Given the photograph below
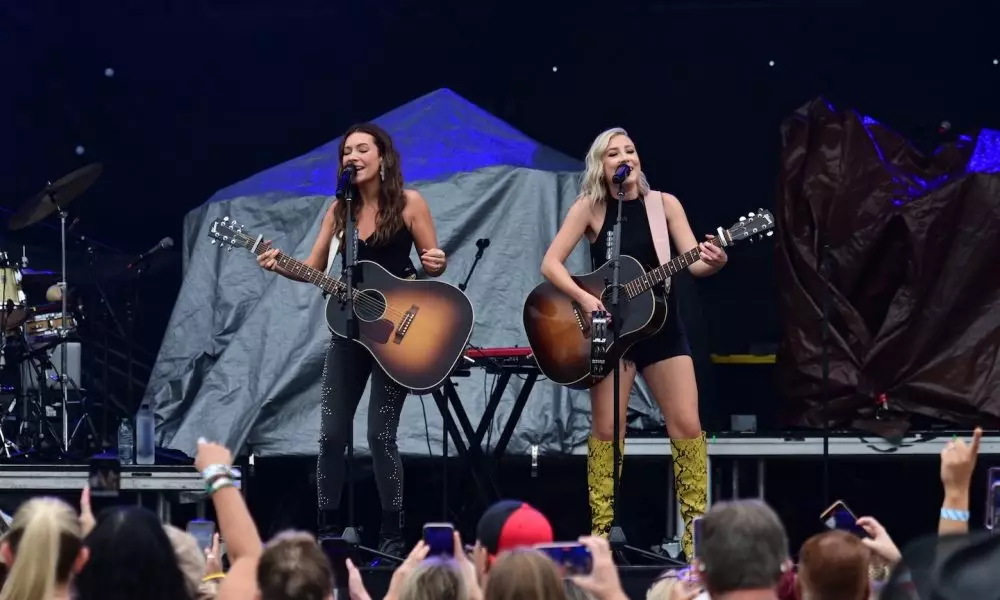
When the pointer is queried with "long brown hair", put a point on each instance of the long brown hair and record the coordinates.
(524, 574)
(391, 200)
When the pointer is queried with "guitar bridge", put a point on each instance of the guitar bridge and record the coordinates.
(598, 343)
(404, 324)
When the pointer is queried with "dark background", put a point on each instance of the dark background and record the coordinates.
(207, 92)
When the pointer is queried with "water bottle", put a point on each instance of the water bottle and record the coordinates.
(126, 443)
(144, 436)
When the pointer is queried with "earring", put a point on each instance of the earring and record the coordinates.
(381, 172)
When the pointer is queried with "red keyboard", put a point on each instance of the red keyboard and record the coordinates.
(512, 352)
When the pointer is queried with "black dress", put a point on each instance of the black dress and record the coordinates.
(637, 242)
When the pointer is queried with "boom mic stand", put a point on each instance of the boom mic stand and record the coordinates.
(617, 535)
(482, 244)
(824, 269)
(351, 534)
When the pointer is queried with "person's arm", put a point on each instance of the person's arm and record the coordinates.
(958, 462)
(713, 257)
(317, 257)
(418, 218)
(554, 269)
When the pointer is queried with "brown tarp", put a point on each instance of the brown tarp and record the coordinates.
(914, 271)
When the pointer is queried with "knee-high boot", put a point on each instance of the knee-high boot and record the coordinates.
(600, 483)
(691, 484)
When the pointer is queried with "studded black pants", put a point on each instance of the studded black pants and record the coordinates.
(345, 374)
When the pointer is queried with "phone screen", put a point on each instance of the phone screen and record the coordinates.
(697, 536)
(202, 531)
(440, 539)
(992, 497)
(838, 516)
(571, 557)
(104, 478)
(337, 551)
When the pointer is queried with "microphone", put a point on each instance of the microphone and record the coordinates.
(621, 173)
(163, 244)
(346, 179)
(483, 243)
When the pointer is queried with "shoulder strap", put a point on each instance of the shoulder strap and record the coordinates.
(658, 225)
(334, 247)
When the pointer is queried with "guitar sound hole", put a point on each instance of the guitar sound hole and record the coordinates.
(622, 300)
(370, 305)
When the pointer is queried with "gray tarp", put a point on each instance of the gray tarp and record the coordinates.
(242, 357)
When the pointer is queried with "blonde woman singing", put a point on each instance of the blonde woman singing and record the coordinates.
(664, 360)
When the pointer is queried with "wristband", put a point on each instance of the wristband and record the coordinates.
(951, 514)
(219, 484)
(213, 472)
(213, 577)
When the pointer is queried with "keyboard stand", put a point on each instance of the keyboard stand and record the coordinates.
(470, 446)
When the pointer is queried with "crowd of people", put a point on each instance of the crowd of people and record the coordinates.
(54, 552)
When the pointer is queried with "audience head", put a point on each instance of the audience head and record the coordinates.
(833, 566)
(190, 558)
(131, 557)
(435, 579)
(524, 574)
(44, 548)
(743, 546)
(294, 567)
(507, 525)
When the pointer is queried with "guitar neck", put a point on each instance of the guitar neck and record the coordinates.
(305, 272)
(663, 272)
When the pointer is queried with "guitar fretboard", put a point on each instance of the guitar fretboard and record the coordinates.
(660, 274)
(302, 270)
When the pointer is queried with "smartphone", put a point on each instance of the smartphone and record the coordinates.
(992, 497)
(337, 551)
(572, 557)
(105, 477)
(202, 531)
(440, 539)
(697, 537)
(838, 516)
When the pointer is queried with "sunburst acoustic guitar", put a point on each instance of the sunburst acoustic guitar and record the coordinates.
(575, 350)
(417, 330)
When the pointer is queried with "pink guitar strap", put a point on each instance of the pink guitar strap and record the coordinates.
(658, 225)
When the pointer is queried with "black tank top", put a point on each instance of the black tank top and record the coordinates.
(393, 254)
(637, 241)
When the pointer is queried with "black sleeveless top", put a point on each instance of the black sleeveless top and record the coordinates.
(637, 240)
(393, 254)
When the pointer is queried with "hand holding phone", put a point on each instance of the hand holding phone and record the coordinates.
(203, 531)
(337, 551)
(440, 539)
(105, 477)
(572, 558)
(838, 516)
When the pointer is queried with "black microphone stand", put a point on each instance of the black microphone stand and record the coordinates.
(616, 538)
(824, 269)
(482, 244)
(351, 533)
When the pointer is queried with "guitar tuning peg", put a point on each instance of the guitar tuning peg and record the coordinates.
(751, 215)
(743, 218)
(224, 219)
(770, 233)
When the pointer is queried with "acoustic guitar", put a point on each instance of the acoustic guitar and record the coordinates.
(576, 350)
(417, 330)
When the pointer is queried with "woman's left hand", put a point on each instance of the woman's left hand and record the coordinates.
(712, 255)
(433, 260)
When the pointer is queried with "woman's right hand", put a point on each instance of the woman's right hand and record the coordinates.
(589, 305)
(268, 260)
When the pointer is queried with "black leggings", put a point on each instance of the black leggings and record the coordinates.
(345, 373)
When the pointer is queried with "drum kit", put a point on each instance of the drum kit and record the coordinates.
(30, 332)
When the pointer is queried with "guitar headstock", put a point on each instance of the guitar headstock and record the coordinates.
(754, 226)
(229, 234)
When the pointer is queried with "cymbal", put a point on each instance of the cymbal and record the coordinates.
(55, 196)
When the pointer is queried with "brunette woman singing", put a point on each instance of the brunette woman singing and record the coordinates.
(664, 360)
(390, 221)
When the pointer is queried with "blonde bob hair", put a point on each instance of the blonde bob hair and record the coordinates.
(594, 186)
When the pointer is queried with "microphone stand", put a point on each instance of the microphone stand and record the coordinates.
(616, 537)
(824, 269)
(351, 533)
(482, 244)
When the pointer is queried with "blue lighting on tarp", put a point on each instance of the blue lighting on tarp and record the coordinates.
(438, 135)
(986, 156)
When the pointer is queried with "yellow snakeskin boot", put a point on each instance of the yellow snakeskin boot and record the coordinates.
(600, 486)
(691, 484)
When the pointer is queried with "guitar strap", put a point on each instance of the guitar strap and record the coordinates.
(334, 246)
(658, 225)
